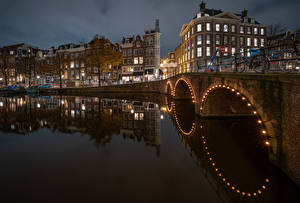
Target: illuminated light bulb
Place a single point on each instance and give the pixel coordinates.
(243, 98)
(228, 87)
(243, 193)
(210, 159)
(202, 137)
(220, 85)
(213, 164)
(201, 127)
(254, 194)
(228, 184)
(233, 90)
(264, 132)
(263, 187)
(248, 104)
(254, 112)
(217, 169)
(224, 179)
(224, 86)
(249, 195)
(201, 108)
(238, 93)
(267, 143)
(233, 188)
(38, 105)
(206, 148)
(238, 191)
(207, 153)
(161, 117)
(216, 86)
(132, 111)
(220, 174)
(267, 180)
(259, 191)
(204, 142)
(259, 121)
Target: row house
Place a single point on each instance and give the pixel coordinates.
(141, 56)
(168, 65)
(213, 29)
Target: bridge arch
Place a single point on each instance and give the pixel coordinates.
(253, 110)
(183, 89)
(169, 90)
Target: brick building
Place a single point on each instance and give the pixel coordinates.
(141, 56)
(211, 29)
(168, 65)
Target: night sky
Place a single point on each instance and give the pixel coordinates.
(46, 23)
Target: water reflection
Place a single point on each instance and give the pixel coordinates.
(233, 160)
(233, 154)
(99, 118)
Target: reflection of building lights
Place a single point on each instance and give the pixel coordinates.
(264, 132)
(267, 143)
(62, 102)
(83, 107)
(259, 121)
(164, 109)
(132, 111)
(1, 104)
(38, 105)
(161, 117)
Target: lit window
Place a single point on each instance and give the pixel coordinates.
(248, 52)
(262, 31)
(207, 51)
(136, 60)
(185, 37)
(241, 29)
(248, 42)
(255, 42)
(189, 34)
(207, 39)
(232, 51)
(262, 42)
(199, 51)
(255, 30)
(225, 28)
(249, 30)
(199, 40)
(11, 52)
(242, 51)
(141, 60)
(233, 28)
(192, 53)
(192, 30)
(217, 27)
(207, 26)
(72, 64)
(199, 28)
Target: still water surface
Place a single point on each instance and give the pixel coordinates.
(92, 149)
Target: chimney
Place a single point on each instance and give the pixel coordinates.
(244, 13)
(157, 25)
(202, 6)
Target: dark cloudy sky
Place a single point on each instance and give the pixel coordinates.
(46, 23)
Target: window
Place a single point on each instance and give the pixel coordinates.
(199, 40)
(248, 52)
(199, 27)
(11, 52)
(242, 41)
(225, 39)
(241, 29)
(185, 37)
(242, 51)
(141, 60)
(262, 42)
(217, 27)
(199, 51)
(189, 34)
(207, 51)
(262, 31)
(207, 39)
(232, 51)
(233, 28)
(248, 30)
(225, 28)
(255, 30)
(129, 52)
(136, 60)
(217, 39)
(248, 42)
(192, 30)
(192, 53)
(135, 52)
(125, 61)
(95, 70)
(72, 65)
(188, 56)
(141, 52)
(233, 40)
(255, 42)
(207, 26)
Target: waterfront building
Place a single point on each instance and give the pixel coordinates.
(141, 56)
(168, 65)
(213, 29)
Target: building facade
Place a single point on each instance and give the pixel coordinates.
(141, 56)
(168, 66)
(214, 29)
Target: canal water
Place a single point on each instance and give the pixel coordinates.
(150, 149)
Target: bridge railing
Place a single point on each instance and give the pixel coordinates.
(284, 57)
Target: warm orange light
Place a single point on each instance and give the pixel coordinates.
(238, 191)
(259, 121)
(228, 184)
(254, 194)
(243, 193)
(263, 187)
(259, 191)
(254, 112)
(264, 132)
(243, 98)
(267, 143)
(248, 104)
(267, 180)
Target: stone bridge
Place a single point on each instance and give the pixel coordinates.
(273, 98)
